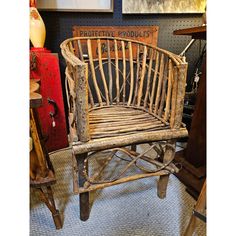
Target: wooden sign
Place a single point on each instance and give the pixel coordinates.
(147, 34)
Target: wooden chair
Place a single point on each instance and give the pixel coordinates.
(121, 93)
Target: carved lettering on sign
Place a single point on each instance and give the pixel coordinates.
(147, 34)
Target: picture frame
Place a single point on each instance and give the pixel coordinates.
(76, 5)
(163, 6)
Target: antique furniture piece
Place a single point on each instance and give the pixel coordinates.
(41, 169)
(44, 65)
(198, 212)
(194, 157)
(121, 94)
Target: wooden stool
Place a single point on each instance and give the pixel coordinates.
(41, 169)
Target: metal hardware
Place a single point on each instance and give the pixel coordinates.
(53, 114)
(199, 215)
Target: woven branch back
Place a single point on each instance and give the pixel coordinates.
(116, 71)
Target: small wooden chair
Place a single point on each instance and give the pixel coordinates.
(121, 93)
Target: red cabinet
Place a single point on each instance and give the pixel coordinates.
(44, 66)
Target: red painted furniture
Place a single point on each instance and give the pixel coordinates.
(44, 65)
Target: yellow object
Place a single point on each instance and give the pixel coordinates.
(37, 28)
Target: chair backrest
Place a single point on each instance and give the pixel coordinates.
(105, 71)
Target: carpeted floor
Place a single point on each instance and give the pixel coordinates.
(128, 209)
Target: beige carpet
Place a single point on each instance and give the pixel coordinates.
(128, 209)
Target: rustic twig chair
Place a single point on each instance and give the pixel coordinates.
(121, 93)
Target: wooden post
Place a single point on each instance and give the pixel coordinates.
(38, 148)
(117, 73)
(143, 71)
(81, 56)
(173, 97)
(75, 174)
(84, 197)
(93, 72)
(55, 212)
(163, 91)
(48, 199)
(163, 180)
(148, 78)
(154, 81)
(182, 75)
(159, 87)
(124, 71)
(109, 71)
(168, 98)
(131, 71)
(137, 75)
(81, 90)
(102, 71)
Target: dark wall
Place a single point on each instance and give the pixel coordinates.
(59, 27)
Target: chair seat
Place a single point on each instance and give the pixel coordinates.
(117, 120)
(121, 125)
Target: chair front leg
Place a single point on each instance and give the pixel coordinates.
(84, 197)
(163, 180)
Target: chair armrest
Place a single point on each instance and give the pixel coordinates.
(79, 69)
(177, 113)
(81, 101)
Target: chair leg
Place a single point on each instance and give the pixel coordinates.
(48, 199)
(84, 197)
(163, 180)
(75, 174)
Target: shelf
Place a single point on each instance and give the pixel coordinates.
(196, 32)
